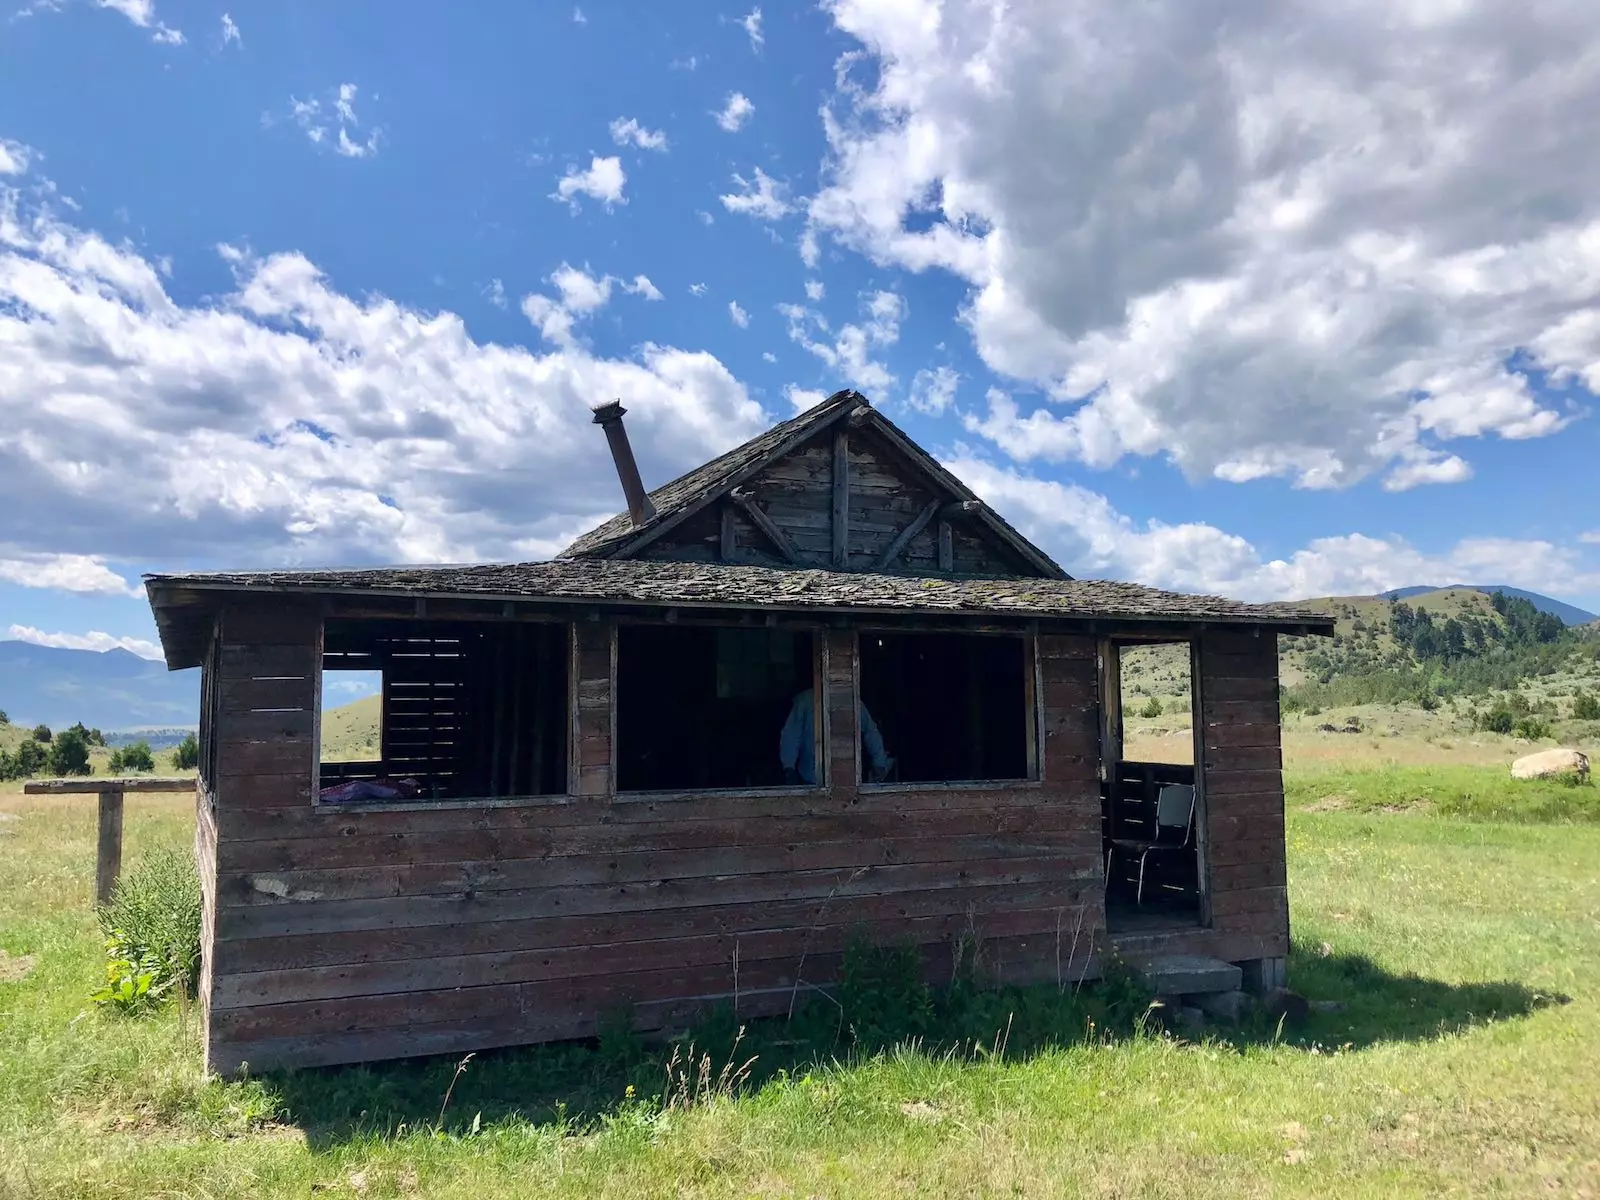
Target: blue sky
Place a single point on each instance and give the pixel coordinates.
(1272, 307)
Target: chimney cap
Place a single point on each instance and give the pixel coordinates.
(611, 410)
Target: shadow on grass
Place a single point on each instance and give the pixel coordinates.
(1380, 1006)
(578, 1085)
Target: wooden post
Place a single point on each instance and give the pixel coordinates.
(841, 498)
(108, 858)
(108, 855)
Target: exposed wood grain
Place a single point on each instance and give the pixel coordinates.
(470, 906)
(947, 547)
(122, 783)
(289, 951)
(471, 845)
(903, 538)
(246, 989)
(764, 523)
(108, 846)
(841, 497)
(728, 533)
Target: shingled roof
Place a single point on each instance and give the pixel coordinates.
(718, 585)
(689, 493)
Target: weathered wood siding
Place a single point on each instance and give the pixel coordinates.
(350, 934)
(1243, 795)
(885, 494)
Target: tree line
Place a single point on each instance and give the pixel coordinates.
(1433, 659)
(47, 752)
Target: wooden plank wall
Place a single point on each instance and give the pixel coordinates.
(885, 495)
(344, 935)
(1243, 782)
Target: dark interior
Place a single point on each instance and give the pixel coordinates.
(950, 706)
(470, 708)
(702, 706)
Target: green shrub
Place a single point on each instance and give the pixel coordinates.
(187, 755)
(1498, 719)
(41, 733)
(152, 932)
(1152, 707)
(1532, 728)
(133, 757)
(883, 995)
(1586, 707)
(69, 753)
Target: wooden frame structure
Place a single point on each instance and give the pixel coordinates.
(347, 932)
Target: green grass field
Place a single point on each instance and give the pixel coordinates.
(1456, 916)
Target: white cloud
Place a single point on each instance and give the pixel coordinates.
(14, 158)
(1092, 540)
(496, 292)
(143, 14)
(698, 289)
(849, 351)
(761, 198)
(641, 286)
(815, 290)
(630, 133)
(65, 572)
(738, 315)
(768, 356)
(1287, 241)
(736, 110)
(580, 294)
(312, 116)
(93, 640)
(752, 27)
(230, 31)
(705, 217)
(933, 391)
(580, 291)
(1590, 538)
(803, 398)
(603, 181)
(289, 422)
(578, 18)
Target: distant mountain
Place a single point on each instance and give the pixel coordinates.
(108, 690)
(1570, 614)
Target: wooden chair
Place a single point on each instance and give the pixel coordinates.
(1174, 832)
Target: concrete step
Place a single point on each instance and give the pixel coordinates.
(1187, 974)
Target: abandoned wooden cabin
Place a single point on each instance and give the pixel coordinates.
(812, 689)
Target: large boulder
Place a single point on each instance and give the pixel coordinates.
(1548, 763)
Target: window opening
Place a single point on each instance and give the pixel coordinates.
(950, 707)
(1150, 809)
(706, 707)
(443, 710)
(352, 714)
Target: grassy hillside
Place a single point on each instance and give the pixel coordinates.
(350, 732)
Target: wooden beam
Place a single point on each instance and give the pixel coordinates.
(859, 417)
(903, 538)
(947, 547)
(730, 534)
(761, 521)
(130, 783)
(841, 498)
(961, 508)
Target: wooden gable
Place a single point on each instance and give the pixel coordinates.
(851, 497)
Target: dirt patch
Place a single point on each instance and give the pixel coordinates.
(1329, 804)
(16, 967)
